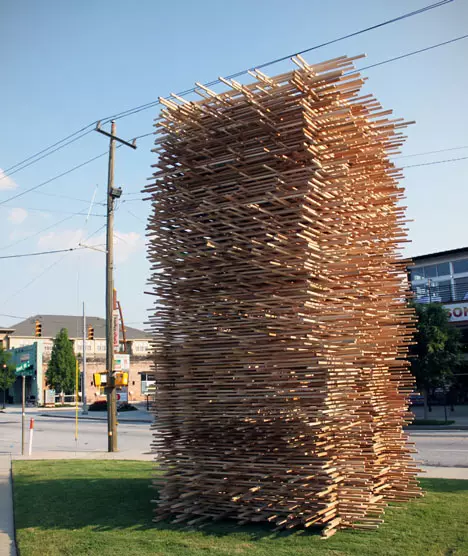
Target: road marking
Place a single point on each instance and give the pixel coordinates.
(450, 450)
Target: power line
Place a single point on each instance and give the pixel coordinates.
(436, 162)
(148, 105)
(46, 270)
(37, 233)
(26, 191)
(21, 166)
(21, 290)
(411, 53)
(48, 148)
(431, 152)
(86, 129)
(184, 93)
(53, 252)
(68, 197)
(13, 316)
(52, 211)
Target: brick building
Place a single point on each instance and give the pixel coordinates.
(137, 345)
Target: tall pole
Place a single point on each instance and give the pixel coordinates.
(23, 414)
(77, 381)
(83, 371)
(111, 396)
(112, 194)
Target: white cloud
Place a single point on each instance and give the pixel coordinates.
(17, 215)
(125, 244)
(6, 182)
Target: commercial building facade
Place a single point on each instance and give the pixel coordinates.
(136, 345)
(442, 277)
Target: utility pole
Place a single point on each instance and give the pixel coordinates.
(23, 413)
(83, 371)
(112, 194)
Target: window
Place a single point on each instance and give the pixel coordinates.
(430, 271)
(146, 381)
(442, 291)
(434, 292)
(443, 269)
(417, 274)
(461, 289)
(460, 266)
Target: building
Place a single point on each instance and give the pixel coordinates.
(136, 344)
(442, 277)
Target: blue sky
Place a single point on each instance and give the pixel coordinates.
(66, 64)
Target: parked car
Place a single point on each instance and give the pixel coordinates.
(416, 398)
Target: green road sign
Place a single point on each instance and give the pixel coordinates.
(24, 369)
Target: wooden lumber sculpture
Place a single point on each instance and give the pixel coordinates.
(280, 325)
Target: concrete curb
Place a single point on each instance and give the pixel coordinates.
(7, 520)
(436, 428)
(102, 419)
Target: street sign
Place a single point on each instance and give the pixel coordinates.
(25, 369)
(122, 395)
(121, 362)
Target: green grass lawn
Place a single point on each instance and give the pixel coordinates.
(103, 508)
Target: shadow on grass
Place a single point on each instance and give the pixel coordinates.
(103, 504)
(444, 485)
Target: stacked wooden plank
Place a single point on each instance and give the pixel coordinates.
(280, 325)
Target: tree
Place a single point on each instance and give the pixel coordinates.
(437, 350)
(60, 374)
(7, 372)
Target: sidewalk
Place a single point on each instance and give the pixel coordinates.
(7, 526)
(131, 455)
(459, 415)
(436, 472)
(137, 416)
(140, 415)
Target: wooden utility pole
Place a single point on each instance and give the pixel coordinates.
(84, 408)
(112, 194)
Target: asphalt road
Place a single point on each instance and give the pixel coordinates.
(54, 434)
(447, 448)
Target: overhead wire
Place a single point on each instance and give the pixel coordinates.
(431, 152)
(436, 162)
(10, 172)
(413, 53)
(48, 148)
(47, 269)
(62, 143)
(218, 81)
(37, 253)
(139, 197)
(35, 234)
(21, 290)
(34, 188)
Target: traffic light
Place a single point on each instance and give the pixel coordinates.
(90, 333)
(38, 332)
(121, 379)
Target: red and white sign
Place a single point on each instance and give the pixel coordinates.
(122, 394)
(458, 312)
(116, 328)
